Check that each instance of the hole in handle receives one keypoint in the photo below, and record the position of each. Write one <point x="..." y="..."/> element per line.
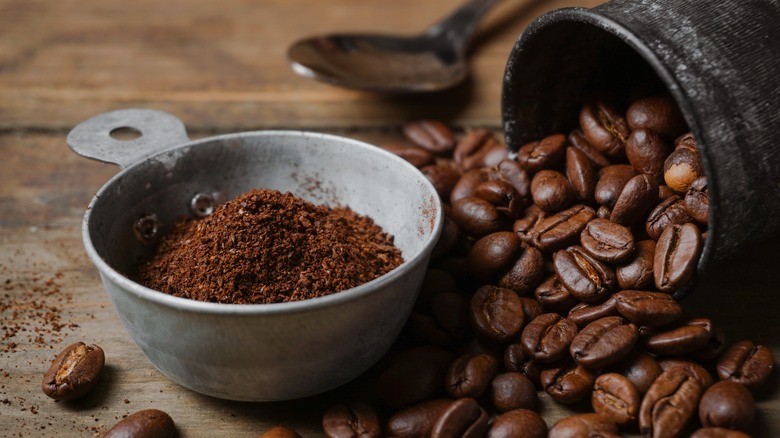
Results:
<point x="125" y="133"/>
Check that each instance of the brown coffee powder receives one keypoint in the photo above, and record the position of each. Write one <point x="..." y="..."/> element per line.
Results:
<point x="269" y="247"/>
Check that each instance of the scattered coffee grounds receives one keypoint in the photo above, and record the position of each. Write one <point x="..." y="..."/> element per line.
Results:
<point x="269" y="247"/>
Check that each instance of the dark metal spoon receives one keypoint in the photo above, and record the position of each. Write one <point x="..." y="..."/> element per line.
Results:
<point x="432" y="61"/>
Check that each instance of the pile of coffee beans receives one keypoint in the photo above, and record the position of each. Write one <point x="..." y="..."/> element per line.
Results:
<point x="559" y="270"/>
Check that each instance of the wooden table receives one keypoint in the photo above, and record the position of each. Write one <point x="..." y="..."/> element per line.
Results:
<point x="220" y="67"/>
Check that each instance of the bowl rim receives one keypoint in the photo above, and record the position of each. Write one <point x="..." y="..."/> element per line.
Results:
<point x="142" y="292"/>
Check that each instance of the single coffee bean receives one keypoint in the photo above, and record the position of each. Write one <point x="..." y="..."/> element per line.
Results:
<point x="585" y="277"/>
<point x="527" y="220"/>
<point x="615" y="397"/>
<point x="526" y="273"/>
<point x="531" y="309"/>
<point x="471" y="143"/>
<point x="514" y="358"/>
<point x="74" y="372"/>
<point x="560" y="230"/>
<point x="685" y="337"/>
<point x="470" y="375"/>
<point x="664" y="192"/>
<point x="492" y="254"/>
<point x="490" y="154"/>
<point x="417" y="421"/>
<point x="496" y="313"/>
<point x="148" y="423"/>
<point x="612" y="180"/>
<point x="356" y="419"/>
<point x="697" y="201"/>
<point x="518" y="423"/>
<point x="451" y="312"/>
<point x="604" y="342"/>
<point x="581" y="173"/>
<point x="551" y="191"/>
<point x="670" y="211"/>
<point x="451" y="237"/>
<point x="683" y="166"/>
<point x="714" y="348"/>
<point x="512" y="390"/>
<point x="746" y="363"/>
<point x="567" y="382"/>
<point x="468" y="182"/>
<point x="640" y="369"/>
<point x="554" y="297"/>
<point x="431" y="135"/>
<point x="669" y="403"/>
<point x="605" y="128"/>
<point x="443" y="176"/>
<point x="638" y="197"/>
<point x="501" y="194"/>
<point x="652" y="309"/>
<point x="637" y="272"/>
<point x="658" y="113"/>
<point x="727" y="404"/>
<point x="541" y="154"/>
<point x="547" y="337"/>
<point x="427" y="372"/>
<point x="676" y="257"/>
<point x="693" y="369"/>
<point x="463" y="418"/>
<point x="417" y="156"/>
<point x="603" y="212"/>
<point x="585" y="313"/>
<point x="280" y="432"/>
<point x="477" y="217"/>
<point x="647" y="152"/>
<point x="577" y="140"/>
<point x="584" y="425"/>
<point x="718" y="432"/>
<point x="511" y="172"/>
<point x="607" y="241"/>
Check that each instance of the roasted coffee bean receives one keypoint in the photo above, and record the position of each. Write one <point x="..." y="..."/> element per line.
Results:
<point x="647" y="152"/>
<point x="148" y="423"/>
<point x="714" y="348"/>
<point x="581" y="174"/>
<point x="585" y="313"/>
<point x="615" y="397"/>
<point x="490" y="154"/>
<point x="658" y="113"/>
<point x="746" y="363"/>
<point x="434" y="282"/>
<point x="727" y="404"/>
<point x="541" y="154"/>
<point x="603" y="212"/>
<point x="471" y="143"/>
<point x="718" y="432"/>
<point x="607" y="241"/>
<point x="492" y="254"/>
<point x="652" y="309"/>
<point x="567" y="382"/>
<point x="531" y="309"/>
<point x="477" y="217"/>
<point x="637" y="272"/>
<point x="518" y="423"/>
<point x="527" y="220"/>
<point x="451" y="237"/>
<point x="585" y="277"/>
<point x="427" y="372"/>
<point x="560" y="230"/>
<point x="511" y="172"/>
<point x="451" y="312"/>
<point x="468" y="182"/>
<point x="463" y="418"/>
<point x="512" y="390"/>
<point x="577" y="140"/>
<point x="74" y="372"/>
<point x="417" y="156"/>
<point x="640" y="369"/>
<point x="683" y="166"/>
<point x="280" y="432"/>
<point x="496" y="313"/>
<point x="584" y="425"/>
<point x="470" y="375"/>
<point x="669" y="403"/>
<point x="676" y="257"/>
<point x="638" y="197"/>
<point x="604" y="342"/>
<point x="612" y="180"/>
<point x="551" y="191"/>
<point x="356" y="419"/>
<point x="605" y="128"/>
<point x="431" y="135"/>
<point x="501" y="194"/>
<point x="664" y="192"/>
<point x="670" y="211"/>
<point x="697" y="201"/>
<point x="694" y="369"/>
<point x="547" y="337"/>
<point x="554" y="297"/>
<point x="514" y="358"/>
<point x="526" y="273"/>
<point x="443" y="176"/>
<point x="685" y="337"/>
<point x="417" y="421"/>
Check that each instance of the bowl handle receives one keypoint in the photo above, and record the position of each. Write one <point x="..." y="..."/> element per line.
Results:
<point x="100" y="137"/>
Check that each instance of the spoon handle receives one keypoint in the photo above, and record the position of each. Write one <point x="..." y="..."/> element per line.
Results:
<point x="458" y="27"/>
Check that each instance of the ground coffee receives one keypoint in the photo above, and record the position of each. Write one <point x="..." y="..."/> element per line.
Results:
<point x="269" y="247"/>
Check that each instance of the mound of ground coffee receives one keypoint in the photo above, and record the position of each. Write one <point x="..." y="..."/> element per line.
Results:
<point x="269" y="247"/>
